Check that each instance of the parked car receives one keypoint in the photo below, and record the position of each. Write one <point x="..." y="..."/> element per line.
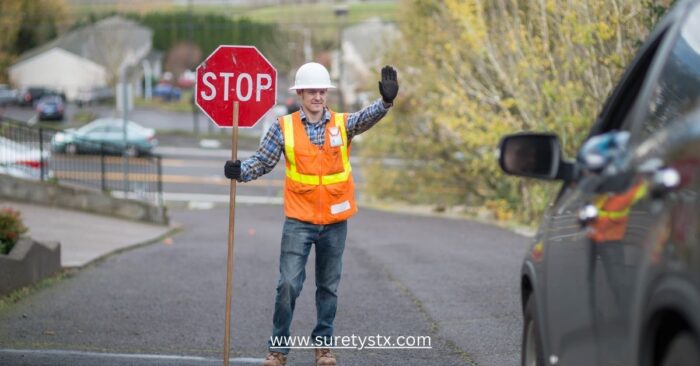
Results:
<point x="105" y="135"/>
<point x="50" y="107"/>
<point x="613" y="273"/>
<point x="7" y="95"/>
<point x="31" y="96"/>
<point x="167" y="92"/>
<point x="187" y="79"/>
<point x="22" y="161"/>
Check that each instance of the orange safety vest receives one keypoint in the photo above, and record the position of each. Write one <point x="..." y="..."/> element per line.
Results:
<point x="318" y="187"/>
<point x="613" y="214"/>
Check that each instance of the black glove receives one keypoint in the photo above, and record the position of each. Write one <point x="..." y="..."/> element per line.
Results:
<point x="232" y="169"/>
<point x="389" y="86"/>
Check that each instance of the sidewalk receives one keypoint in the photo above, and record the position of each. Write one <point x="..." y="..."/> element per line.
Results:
<point x="84" y="237"/>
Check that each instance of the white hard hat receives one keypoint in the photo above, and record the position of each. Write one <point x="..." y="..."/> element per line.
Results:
<point x="312" y="75"/>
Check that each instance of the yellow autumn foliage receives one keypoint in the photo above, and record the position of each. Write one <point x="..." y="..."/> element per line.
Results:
<point x="27" y="23"/>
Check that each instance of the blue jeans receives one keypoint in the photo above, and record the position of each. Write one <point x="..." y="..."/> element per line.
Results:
<point x="297" y="238"/>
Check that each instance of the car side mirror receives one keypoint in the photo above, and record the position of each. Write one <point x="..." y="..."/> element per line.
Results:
<point x="534" y="155"/>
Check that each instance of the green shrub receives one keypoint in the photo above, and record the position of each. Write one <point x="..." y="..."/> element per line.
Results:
<point x="11" y="227"/>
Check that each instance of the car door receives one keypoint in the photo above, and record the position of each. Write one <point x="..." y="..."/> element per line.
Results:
<point x="575" y="265"/>
<point x="90" y="139"/>
<point x="115" y="136"/>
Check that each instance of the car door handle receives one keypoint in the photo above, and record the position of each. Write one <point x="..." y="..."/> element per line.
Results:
<point x="587" y="214"/>
<point x="664" y="181"/>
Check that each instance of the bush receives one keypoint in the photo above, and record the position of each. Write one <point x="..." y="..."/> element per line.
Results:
<point x="11" y="227"/>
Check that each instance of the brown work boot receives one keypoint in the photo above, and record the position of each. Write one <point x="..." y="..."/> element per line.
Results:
<point x="325" y="357"/>
<point x="275" y="359"/>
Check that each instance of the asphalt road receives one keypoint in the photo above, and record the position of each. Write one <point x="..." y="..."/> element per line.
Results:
<point x="453" y="280"/>
<point x="194" y="174"/>
<point x="189" y="174"/>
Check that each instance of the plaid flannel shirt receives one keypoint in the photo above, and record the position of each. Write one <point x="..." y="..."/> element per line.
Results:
<point x="272" y="145"/>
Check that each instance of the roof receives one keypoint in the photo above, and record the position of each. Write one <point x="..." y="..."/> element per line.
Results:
<point x="89" y="41"/>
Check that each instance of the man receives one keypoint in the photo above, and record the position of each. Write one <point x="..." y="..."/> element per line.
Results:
<point x="318" y="196"/>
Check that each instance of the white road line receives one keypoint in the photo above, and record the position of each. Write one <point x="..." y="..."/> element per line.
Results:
<point x="195" y="151"/>
<point x="132" y="356"/>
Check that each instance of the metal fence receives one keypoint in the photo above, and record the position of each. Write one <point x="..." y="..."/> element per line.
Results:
<point x="31" y="152"/>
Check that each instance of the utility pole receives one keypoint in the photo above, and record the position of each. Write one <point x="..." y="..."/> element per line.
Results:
<point x="195" y="112"/>
<point x="125" y="114"/>
<point x="341" y="13"/>
<point x="148" y="79"/>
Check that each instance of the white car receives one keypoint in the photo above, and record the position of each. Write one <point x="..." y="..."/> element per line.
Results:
<point x="7" y="95"/>
<point x="22" y="161"/>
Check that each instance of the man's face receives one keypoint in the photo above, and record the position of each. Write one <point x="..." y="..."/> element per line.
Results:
<point x="313" y="100"/>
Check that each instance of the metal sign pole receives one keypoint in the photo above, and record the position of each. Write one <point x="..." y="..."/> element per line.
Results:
<point x="231" y="224"/>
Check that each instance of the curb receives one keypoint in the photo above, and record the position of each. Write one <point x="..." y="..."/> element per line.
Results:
<point x="172" y="230"/>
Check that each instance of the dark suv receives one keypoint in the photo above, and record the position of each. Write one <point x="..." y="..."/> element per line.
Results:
<point x="613" y="274"/>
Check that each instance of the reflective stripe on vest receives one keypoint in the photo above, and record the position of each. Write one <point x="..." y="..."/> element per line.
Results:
<point x="620" y="204"/>
<point x="293" y="173"/>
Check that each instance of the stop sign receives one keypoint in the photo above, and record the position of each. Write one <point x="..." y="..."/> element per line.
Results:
<point x="236" y="73"/>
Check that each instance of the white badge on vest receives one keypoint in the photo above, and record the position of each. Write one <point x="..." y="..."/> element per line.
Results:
<point x="336" y="139"/>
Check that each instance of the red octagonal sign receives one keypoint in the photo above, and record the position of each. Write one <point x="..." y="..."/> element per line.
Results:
<point x="236" y="73"/>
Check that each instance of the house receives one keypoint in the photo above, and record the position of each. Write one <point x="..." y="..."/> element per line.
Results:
<point x="84" y="59"/>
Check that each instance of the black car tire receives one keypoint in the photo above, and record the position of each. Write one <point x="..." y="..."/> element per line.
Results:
<point x="531" y="346"/>
<point x="71" y="149"/>
<point x="682" y="351"/>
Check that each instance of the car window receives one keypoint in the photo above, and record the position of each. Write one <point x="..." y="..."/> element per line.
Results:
<point x="113" y="126"/>
<point x="616" y="110"/>
<point x="50" y="100"/>
<point x="98" y="128"/>
<point x="117" y="126"/>
<point x="134" y="128"/>
<point x="678" y="88"/>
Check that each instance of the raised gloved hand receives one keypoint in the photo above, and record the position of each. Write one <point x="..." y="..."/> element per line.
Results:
<point x="232" y="169"/>
<point x="601" y="151"/>
<point x="389" y="86"/>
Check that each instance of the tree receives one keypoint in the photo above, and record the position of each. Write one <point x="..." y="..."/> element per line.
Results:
<point x="473" y="70"/>
<point x="208" y="31"/>
<point x="25" y="24"/>
<point x="183" y="56"/>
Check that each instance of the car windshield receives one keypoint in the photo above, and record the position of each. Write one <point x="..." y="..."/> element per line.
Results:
<point x="50" y="100"/>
